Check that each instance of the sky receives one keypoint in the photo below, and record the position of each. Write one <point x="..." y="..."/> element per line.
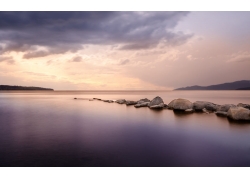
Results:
<point x="123" y="50"/>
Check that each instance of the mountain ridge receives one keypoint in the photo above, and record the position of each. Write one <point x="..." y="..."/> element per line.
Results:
<point x="236" y="85"/>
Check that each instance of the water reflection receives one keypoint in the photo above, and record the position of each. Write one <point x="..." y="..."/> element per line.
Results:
<point x="56" y="130"/>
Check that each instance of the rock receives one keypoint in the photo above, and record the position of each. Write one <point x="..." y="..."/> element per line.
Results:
<point x="189" y="110"/>
<point x="145" y="104"/>
<point x="128" y="103"/>
<point x="97" y="99"/>
<point x="205" y="110"/>
<point x="212" y="107"/>
<point x="109" y="101"/>
<point x="158" y="106"/>
<point x="165" y="106"/>
<point x="75" y="98"/>
<point x="221" y="113"/>
<point x="199" y="105"/>
<point x="247" y="106"/>
<point x="225" y="107"/>
<point x="239" y="113"/>
<point x="143" y="101"/>
<point x="121" y="101"/>
<point x="156" y="103"/>
<point x="180" y="104"/>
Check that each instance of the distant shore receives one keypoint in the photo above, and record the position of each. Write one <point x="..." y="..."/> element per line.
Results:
<point x="30" y="88"/>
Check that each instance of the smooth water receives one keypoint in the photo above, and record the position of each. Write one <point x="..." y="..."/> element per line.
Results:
<point x="53" y="129"/>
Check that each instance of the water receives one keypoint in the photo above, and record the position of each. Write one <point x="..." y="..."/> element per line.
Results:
<point x="53" y="129"/>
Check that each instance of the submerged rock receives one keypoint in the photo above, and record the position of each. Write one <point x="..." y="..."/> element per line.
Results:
<point x="145" y="104"/>
<point x="247" y="106"/>
<point x="239" y="113"/>
<point x="199" y="105"/>
<point x="128" y="103"/>
<point x="225" y="107"/>
<point x="180" y="104"/>
<point x="121" y="101"/>
<point x="156" y="103"/>
<point x="221" y="113"/>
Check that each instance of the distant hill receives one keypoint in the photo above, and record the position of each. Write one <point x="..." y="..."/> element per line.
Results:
<point x="7" y="87"/>
<point x="237" y="85"/>
<point x="246" y="88"/>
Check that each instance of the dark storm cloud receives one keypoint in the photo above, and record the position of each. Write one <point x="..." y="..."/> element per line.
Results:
<point x="62" y="32"/>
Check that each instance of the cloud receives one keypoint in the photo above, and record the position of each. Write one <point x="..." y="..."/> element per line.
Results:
<point x="7" y="59"/>
<point x="123" y="62"/>
<point x="76" y="59"/>
<point x="39" y="74"/>
<point x="242" y="56"/>
<point x="61" y="32"/>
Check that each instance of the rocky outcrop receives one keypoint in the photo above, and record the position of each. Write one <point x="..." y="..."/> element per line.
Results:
<point x="225" y="107"/>
<point x="180" y="104"/>
<point x="239" y="113"/>
<point x="247" y="106"/>
<point x="199" y="105"/>
<point x="128" y="103"/>
<point x="121" y="101"/>
<point x="221" y="113"/>
<point x="156" y="103"/>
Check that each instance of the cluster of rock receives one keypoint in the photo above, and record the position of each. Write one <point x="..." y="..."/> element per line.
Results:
<point x="239" y="112"/>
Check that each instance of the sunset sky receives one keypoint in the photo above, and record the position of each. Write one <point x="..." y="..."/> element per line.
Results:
<point x="123" y="50"/>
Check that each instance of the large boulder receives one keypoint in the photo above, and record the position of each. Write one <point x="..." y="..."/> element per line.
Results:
<point x="180" y="104"/>
<point x="145" y="104"/>
<point x="247" y="106"/>
<point x="225" y="107"/>
<point x="128" y="103"/>
<point x="199" y="105"/>
<point x="121" y="101"/>
<point x="238" y="113"/>
<point x="156" y="103"/>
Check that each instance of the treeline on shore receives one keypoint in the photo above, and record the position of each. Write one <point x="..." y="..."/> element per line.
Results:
<point x="7" y="87"/>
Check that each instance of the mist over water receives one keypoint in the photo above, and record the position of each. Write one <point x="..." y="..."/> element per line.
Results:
<point x="53" y="129"/>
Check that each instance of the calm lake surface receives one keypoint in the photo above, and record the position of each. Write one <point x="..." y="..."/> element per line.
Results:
<point x="53" y="129"/>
